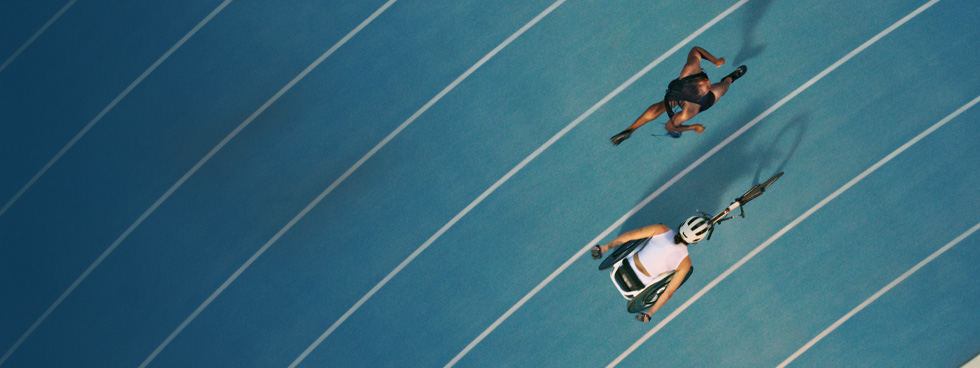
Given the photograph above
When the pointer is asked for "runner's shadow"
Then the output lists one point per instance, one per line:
(750, 46)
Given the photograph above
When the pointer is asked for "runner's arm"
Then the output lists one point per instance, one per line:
(675, 123)
(700, 53)
(693, 64)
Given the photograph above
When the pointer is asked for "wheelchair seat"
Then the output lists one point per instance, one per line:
(626, 277)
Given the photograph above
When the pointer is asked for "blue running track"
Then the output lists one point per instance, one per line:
(248, 202)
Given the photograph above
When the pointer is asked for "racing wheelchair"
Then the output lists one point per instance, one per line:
(641, 297)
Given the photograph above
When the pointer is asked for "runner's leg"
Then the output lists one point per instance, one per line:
(652, 112)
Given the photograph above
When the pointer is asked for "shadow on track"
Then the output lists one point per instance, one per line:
(705, 188)
(750, 46)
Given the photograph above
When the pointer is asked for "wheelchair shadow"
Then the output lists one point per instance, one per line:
(796, 129)
(706, 191)
(750, 46)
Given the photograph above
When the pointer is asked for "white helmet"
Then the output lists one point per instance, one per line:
(694, 229)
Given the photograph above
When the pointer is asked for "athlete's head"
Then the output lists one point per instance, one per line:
(693, 230)
(694, 90)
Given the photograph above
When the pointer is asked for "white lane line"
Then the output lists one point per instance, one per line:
(228, 138)
(35, 36)
(780, 233)
(385, 141)
(435, 99)
(111, 105)
(646, 201)
(877, 295)
(68, 146)
(191, 172)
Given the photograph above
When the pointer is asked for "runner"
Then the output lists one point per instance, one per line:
(688, 95)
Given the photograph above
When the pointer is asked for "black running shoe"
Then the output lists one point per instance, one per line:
(619, 138)
(738, 73)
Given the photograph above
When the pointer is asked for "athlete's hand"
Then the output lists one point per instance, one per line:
(719, 62)
(642, 317)
(698, 128)
(596, 252)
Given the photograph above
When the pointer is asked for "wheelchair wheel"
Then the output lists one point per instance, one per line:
(621, 252)
(650, 294)
(758, 190)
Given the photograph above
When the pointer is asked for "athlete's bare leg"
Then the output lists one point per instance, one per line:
(720, 88)
(651, 113)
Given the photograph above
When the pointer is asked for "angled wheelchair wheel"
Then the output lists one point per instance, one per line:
(621, 252)
(758, 190)
(650, 294)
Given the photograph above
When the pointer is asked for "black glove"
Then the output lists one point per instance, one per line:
(619, 138)
(596, 252)
(642, 317)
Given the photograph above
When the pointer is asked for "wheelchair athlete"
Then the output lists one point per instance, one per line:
(665, 251)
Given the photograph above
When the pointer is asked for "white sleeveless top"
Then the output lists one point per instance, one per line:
(660, 255)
